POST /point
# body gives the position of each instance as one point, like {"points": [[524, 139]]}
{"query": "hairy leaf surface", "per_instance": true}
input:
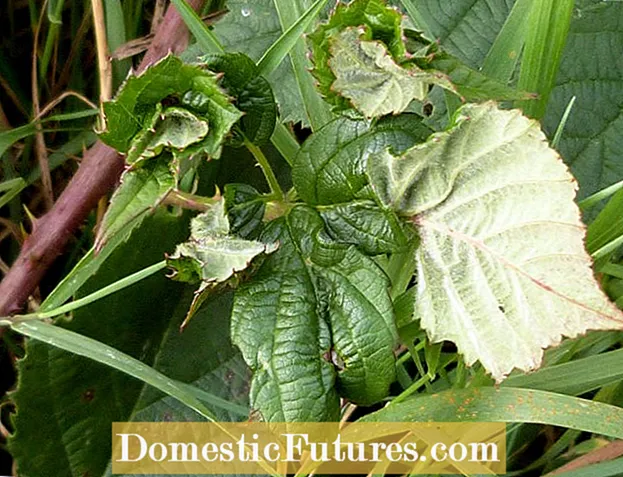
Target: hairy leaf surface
{"points": [[212, 255], [283, 320], [367, 75], [384, 25], [501, 269]]}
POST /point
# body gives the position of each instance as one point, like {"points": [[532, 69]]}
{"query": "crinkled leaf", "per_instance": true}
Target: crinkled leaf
{"points": [[368, 76], [330, 166], [283, 320], [363, 223], [361, 318], [245, 210], [134, 110], [384, 24], [212, 256], [173, 129], [254, 96], [501, 269], [139, 193], [276, 325]]}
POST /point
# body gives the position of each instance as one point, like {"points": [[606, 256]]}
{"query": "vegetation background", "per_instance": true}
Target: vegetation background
{"points": [[570, 53]]}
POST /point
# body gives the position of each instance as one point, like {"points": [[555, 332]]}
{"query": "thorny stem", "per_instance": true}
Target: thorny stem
{"points": [[98, 173]]}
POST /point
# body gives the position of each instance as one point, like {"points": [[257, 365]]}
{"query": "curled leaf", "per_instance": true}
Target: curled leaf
{"points": [[212, 256]]}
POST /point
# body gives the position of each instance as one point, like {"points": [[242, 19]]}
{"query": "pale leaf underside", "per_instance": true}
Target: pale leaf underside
{"points": [[502, 270], [368, 76]]}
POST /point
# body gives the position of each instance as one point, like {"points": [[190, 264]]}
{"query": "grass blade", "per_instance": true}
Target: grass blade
{"points": [[280, 49], [563, 122], [317, 110], [206, 39], [548, 26], [97, 295], [488, 404], [597, 197], [575, 377], [95, 350], [11, 188], [501, 61]]}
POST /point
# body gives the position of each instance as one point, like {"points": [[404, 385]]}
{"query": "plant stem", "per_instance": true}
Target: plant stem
{"points": [[273, 183]]}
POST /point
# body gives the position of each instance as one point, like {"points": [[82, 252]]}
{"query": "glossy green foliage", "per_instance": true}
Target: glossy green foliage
{"points": [[252, 92], [315, 312]]}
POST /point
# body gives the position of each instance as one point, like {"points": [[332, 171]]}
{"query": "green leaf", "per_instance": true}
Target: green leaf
{"points": [[67, 403], [276, 325], [593, 136], [139, 193], [367, 75], [254, 96], [330, 166], [93, 349], [283, 320], [364, 224], [135, 108], [466, 30], [252, 28], [507, 405], [245, 210], [486, 198]]}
